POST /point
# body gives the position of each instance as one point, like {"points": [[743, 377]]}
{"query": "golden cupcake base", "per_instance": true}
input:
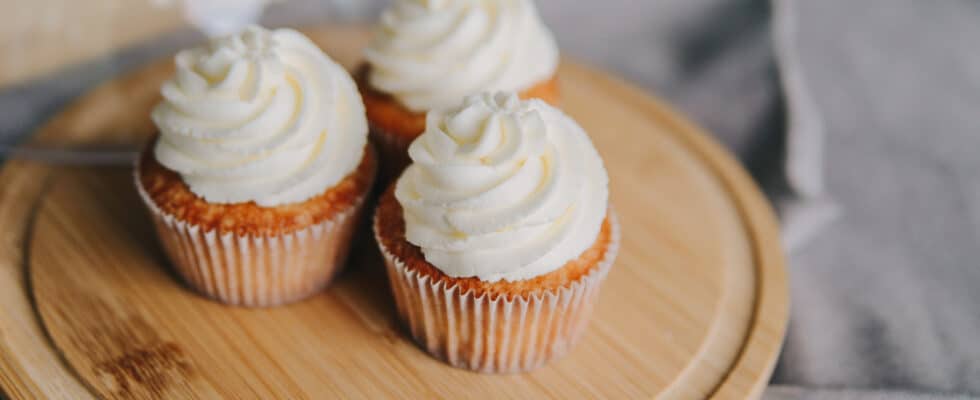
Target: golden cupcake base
{"points": [[247, 255], [492, 327]]}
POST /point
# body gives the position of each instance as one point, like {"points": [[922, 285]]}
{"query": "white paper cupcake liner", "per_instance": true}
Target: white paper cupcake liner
{"points": [[255, 270], [495, 335]]}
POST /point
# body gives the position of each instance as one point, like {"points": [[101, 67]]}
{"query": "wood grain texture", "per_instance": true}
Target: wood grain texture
{"points": [[41, 36], [695, 306]]}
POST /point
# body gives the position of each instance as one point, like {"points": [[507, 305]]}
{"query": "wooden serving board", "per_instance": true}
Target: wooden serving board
{"points": [[695, 306]]}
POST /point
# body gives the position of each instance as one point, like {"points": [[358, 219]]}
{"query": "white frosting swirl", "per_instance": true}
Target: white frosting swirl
{"points": [[261, 116], [430, 54], [502, 189]]}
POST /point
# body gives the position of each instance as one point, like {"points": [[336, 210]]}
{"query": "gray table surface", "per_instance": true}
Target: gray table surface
{"points": [[858, 118]]}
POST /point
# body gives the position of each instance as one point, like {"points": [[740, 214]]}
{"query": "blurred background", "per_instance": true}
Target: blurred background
{"points": [[859, 119]]}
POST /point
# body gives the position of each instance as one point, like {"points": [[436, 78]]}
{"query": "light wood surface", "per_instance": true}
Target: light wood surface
{"points": [[695, 307], [41, 36]]}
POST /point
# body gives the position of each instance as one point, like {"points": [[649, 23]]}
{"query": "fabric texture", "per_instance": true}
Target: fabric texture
{"points": [[780, 392], [857, 118], [887, 296]]}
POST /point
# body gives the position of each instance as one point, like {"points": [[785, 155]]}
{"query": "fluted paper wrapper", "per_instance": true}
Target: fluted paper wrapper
{"points": [[255, 270], [496, 335]]}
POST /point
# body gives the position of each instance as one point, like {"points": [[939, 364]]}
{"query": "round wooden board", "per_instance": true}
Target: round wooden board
{"points": [[695, 306]]}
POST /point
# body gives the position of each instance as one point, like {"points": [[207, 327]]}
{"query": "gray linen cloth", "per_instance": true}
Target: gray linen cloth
{"points": [[859, 110], [888, 296]]}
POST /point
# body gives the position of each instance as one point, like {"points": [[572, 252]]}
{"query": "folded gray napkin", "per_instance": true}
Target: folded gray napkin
{"points": [[888, 295], [780, 392]]}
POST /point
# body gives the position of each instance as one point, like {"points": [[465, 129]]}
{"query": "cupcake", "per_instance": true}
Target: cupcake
{"points": [[497, 237], [260, 169], [430, 54]]}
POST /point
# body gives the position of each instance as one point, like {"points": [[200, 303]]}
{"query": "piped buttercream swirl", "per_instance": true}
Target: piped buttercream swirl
{"points": [[430, 54], [501, 188], [261, 116]]}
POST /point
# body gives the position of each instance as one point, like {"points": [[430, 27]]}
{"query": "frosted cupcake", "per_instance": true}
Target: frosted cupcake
{"points": [[430, 54], [260, 168], [497, 236]]}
